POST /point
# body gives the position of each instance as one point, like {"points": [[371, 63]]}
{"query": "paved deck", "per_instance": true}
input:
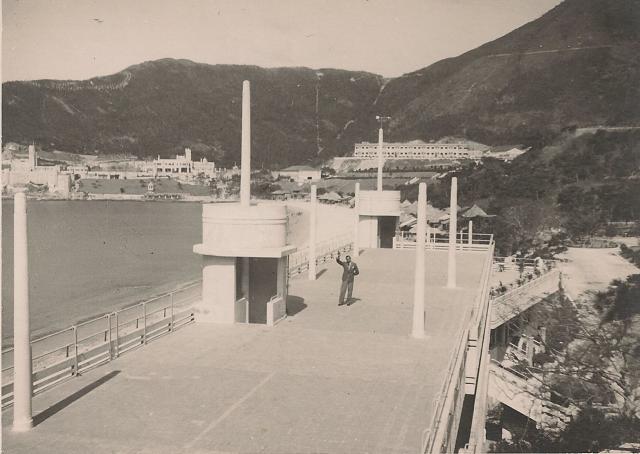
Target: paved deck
{"points": [[327, 379]]}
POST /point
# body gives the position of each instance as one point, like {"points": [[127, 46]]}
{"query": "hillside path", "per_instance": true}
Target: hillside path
{"points": [[593, 269]]}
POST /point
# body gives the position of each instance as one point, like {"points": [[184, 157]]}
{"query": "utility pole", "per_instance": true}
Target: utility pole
{"points": [[380, 119], [319, 76]]}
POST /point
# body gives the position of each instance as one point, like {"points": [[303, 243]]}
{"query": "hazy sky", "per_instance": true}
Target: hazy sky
{"points": [[79, 39]]}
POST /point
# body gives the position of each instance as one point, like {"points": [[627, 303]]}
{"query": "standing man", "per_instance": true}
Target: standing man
{"points": [[350, 270]]}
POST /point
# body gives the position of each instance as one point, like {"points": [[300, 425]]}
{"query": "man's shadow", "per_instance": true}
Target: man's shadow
{"points": [[295, 304], [353, 301]]}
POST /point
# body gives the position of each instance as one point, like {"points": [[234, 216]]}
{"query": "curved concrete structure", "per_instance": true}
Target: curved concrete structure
{"points": [[234, 230], [379, 203], [244, 249]]}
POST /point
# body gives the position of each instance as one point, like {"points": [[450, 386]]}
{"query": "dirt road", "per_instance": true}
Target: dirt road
{"points": [[593, 269]]}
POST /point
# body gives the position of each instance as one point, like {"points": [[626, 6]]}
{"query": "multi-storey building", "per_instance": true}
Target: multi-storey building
{"points": [[416, 149], [183, 167]]}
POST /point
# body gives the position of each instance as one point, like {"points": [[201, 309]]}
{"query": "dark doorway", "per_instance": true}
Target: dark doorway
{"points": [[386, 231], [263, 284]]}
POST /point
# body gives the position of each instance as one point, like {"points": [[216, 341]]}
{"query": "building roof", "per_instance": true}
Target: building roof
{"points": [[298, 168], [328, 379], [332, 196], [476, 212], [503, 148]]}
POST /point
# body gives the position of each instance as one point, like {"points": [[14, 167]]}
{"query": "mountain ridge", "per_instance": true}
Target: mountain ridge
{"points": [[577, 65]]}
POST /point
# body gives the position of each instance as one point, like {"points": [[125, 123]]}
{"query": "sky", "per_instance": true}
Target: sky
{"points": [[80, 39]]}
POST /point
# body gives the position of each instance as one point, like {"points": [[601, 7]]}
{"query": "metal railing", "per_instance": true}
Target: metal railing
{"points": [[477, 242], [477, 437], [526, 277], [525, 264], [325, 252], [436, 437], [64, 354], [503, 304]]}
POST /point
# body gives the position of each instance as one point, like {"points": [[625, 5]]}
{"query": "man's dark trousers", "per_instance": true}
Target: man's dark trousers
{"points": [[346, 287]]}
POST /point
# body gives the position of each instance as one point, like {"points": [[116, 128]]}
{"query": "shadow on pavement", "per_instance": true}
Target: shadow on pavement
{"points": [[295, 304], [55, 408]]}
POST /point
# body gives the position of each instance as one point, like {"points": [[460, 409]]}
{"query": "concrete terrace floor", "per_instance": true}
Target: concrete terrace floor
{"points": [[327, 379]]}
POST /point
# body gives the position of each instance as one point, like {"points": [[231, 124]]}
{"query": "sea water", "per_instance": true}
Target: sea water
{"points": [[90, 257]]}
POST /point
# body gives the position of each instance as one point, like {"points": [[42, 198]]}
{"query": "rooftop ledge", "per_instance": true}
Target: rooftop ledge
{"points": [[276, 252], [329, 378]]}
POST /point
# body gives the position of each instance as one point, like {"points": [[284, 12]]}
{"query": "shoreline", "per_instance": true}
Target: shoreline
{"points": [[333, 220]]}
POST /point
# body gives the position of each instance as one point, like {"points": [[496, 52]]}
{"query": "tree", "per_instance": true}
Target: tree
{"points": [[327, 171]]}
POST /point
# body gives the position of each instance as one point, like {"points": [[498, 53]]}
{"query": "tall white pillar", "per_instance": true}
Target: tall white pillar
{"points": [[356, 240], [312, 233], [1, 310], [22, 386], [453, 229], [380, 159], [245, 276], [470, 239], [245, 164], [418, 284]]}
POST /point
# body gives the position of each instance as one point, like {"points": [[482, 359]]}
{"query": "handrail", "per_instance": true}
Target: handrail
{"points": [[532, 283], [472, 322], [66, 357], [479, 241], [299, 261], [439, 399], [477, 436]]}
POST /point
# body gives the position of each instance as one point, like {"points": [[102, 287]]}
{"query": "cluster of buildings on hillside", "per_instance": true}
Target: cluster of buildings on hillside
{"points": [[59, 178], [25, 170]]}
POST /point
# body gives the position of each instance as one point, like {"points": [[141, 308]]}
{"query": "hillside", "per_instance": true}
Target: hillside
{"points": [[577, 65], [159, 107], [572, 187]]}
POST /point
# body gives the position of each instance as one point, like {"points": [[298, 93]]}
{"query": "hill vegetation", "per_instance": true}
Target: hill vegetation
{"points": [[573, 66], [577, 65], [567, 190], [168, 104]]}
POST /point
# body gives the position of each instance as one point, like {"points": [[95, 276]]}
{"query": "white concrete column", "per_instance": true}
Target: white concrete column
{"points": [[380, 159], [1, 310], [470, 239], [22, 386], [356, 227], [313, 222], [418, 284], [245, 164], [453, 233], [428, 236], [245, 264], [282, 277]]}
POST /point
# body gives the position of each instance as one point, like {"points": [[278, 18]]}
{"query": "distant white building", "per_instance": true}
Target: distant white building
{"points": [[301, 174], [27, 171], [506, 152], [183, 167], [416, 149]]}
